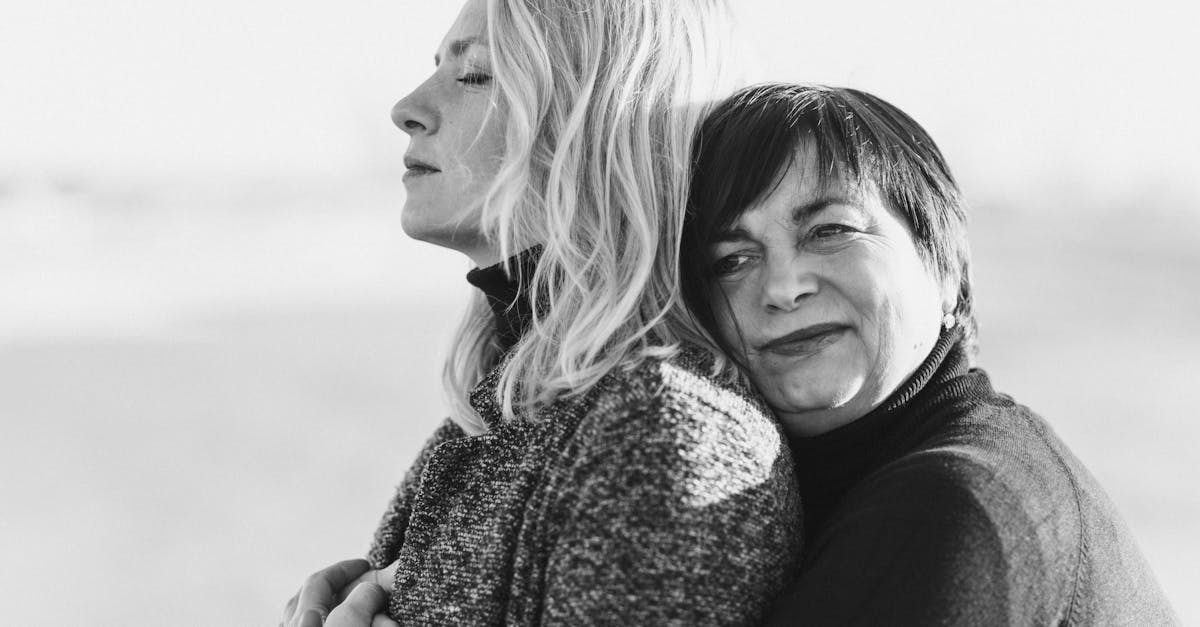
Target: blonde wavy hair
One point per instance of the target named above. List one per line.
(602, 100)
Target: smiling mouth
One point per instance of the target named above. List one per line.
(804, 341)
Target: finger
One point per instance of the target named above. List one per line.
(290, 608)
(311, 618)
(321, 588)
(364, 602)
(383, 620)
(386, 578)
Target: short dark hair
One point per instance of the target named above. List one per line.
(748, 143)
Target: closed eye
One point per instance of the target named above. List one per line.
(475, 79)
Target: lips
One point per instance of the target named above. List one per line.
(419, 166)
(804, 341)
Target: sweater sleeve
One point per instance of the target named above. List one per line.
(389, 534)
(671, 512)
(933, 542)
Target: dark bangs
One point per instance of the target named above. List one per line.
(856, 139)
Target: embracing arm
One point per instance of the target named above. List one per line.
(672, 516)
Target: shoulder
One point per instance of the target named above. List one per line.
(934, 538)
(955, 516)
(996, 454)
(983, 441)
(680, 399)
(998, 479)
(672, 499)
(685, 380)
(680, 431)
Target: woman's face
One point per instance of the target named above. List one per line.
(457, 140)
(835, 306)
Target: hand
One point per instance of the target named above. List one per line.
(384, 578)
(321, 592)
(366, 606)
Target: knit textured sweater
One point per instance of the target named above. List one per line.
(660, 497)
(951, 504)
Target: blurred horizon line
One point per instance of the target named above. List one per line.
(272, 186)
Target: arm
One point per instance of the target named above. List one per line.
(325, 589)
(672, 513)
(389, 535)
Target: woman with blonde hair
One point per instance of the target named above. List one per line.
(592, 470)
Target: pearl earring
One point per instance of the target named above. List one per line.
(948, 321)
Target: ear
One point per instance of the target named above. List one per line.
(949, 286)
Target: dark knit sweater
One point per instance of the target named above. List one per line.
(661, 497)
(953, 505)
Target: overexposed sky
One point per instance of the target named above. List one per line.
(1096, 95)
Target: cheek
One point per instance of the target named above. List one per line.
(486, 153)
(726, 320)
(731, 312)
(478, 147)
(490, 138)
(900, 308)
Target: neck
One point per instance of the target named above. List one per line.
(484, 256)
(809, 424)
(507, 288)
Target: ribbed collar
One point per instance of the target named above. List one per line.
(830, 463)
(508, 294)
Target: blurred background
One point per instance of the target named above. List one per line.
(219, 352)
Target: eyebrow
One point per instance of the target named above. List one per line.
(799, 214)
(460, 46)
(731, 235)
(810, 209)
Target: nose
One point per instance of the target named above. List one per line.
(413, 115)
(787, 286)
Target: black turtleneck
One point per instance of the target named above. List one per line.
(508, 295)
(950, 504)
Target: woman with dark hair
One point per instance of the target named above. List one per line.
(825, 252)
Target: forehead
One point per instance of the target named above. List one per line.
(804, 181)
(469, 27)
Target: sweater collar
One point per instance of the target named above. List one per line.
(831, 462)
(506, 285)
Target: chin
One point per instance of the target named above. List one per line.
(417, 222)
(416, 230)
(815, 400)
(828, 388)
(435, 236)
